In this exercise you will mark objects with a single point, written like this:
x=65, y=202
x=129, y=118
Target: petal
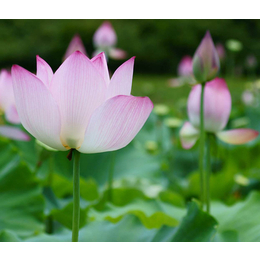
x=6, y=90
x=100, y=63
x=76, y=44
x=121, y=81
x=79, y=89
x=14, y=133
x=114, y=124
x=237, y=136
x=36, y=107
x=44, y=71
x=217, y=105
x=105, y=35
x=188, y=135
x=117, y=54
x=12, y=115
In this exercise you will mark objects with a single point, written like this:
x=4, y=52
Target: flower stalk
x=76, y=196
x=208, y=172
x=202, y=147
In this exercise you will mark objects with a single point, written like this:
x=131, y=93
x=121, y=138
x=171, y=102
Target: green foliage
x=155, y=191
x=21, y=199
x=196, y=226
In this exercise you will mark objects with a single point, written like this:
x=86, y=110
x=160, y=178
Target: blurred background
x=158, y=45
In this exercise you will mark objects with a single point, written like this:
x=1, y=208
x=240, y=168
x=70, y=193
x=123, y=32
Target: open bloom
x=206, y=61
x=185, y=67
x=105, y=39
x=217, y=107
x=76, y=44
x=79, y=106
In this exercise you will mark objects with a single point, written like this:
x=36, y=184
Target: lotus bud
x=206, y=61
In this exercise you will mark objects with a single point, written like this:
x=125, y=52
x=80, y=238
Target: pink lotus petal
x=11, y=115
x=44, y=71
x=121, y=81
x=79, y=89
x=188, y=135
x=105, y=36
x=237, y=136
x=14, y=133
x=6, y=90
x=114, y=124
x=217, y=105
x=76, y=44
x=37, y=109
x=206, y=61
x=117, y=54
x=185, y=67
x=100, y=63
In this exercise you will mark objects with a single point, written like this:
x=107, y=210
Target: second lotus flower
x=7, y=105
x=79, y=106
x=105, y=40
x=217, y=108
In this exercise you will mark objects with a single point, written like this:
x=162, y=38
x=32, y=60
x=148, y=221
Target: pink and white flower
x=79, y=106
x=105, y=40
x=217, y=108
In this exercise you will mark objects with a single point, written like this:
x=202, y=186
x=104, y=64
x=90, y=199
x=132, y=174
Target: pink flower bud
x=206, y=61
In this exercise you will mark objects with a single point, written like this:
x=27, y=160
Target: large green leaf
x=242, y=217
x=196, y=226
x=129, y=229
x=21, y=201
x=152, y=213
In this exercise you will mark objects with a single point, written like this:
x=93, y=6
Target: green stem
x=208, y=171
x=111, y=176
x=49, y=219
x=76, y=196
x=202, y=145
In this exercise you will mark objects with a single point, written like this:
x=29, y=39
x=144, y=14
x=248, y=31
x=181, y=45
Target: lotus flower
x=7, y=104
x=185, y=67
x=79, y=106
x=76, y=44
x=105, y=40
x=217, y=107
x=206, y=61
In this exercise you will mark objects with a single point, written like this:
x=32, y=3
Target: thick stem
x=202, y=146
x=76, y=196
x=208, y=171
x=111, y=176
